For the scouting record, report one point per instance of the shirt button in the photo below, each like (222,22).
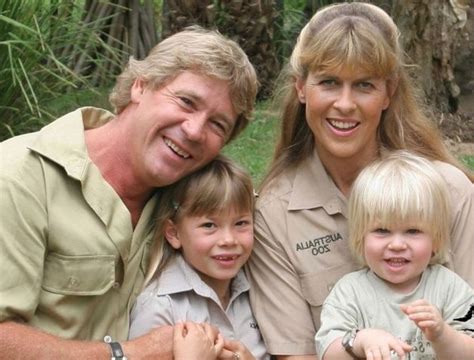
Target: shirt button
(116,285)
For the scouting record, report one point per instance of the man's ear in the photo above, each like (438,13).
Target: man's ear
(137,90)
(171,234)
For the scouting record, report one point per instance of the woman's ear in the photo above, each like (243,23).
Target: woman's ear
(171,234)
(300,90)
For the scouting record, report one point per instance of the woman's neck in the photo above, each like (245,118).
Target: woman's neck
(344,171)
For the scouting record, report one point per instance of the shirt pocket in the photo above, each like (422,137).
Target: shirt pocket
(81,275)
(316,286)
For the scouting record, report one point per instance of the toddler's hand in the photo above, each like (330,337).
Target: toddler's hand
(377,344)
(426,316)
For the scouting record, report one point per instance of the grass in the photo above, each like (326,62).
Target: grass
(253,149)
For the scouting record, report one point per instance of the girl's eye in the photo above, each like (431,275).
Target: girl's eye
(414,231)
(381,231)
(208,225)
(242,223)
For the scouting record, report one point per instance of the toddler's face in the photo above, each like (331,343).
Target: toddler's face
(398,254)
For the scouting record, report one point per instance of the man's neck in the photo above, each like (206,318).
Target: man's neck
(106,151)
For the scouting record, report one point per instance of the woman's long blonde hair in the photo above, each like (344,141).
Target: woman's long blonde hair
(358,36)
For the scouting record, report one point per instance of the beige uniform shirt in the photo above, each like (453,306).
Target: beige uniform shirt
(301,250)
(180,295)
(71,263)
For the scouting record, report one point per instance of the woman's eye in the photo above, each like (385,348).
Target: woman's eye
(365,85)
(328,82)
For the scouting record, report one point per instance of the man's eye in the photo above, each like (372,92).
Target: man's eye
(186,101)
(221,127)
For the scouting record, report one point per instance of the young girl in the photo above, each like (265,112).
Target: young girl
(206,220)
(403,304)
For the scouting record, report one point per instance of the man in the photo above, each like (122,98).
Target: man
(79,196)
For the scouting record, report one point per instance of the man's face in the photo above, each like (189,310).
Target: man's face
(178,128)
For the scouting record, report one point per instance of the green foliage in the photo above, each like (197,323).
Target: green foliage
(35,61)
(253,149)
(468,160)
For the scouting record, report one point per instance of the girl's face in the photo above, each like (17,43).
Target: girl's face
(343,110)
(217,245)
(398,254)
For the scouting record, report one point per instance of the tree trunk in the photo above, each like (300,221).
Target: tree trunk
(429,32)
(122,28)
(248,22)
(178,14)
(252,24)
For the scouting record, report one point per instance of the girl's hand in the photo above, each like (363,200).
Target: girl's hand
(427,317)
(378,344)
(235,350)
(193,341)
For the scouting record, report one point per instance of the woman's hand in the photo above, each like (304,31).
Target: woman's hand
(193,341)
(427,317)
(235,350)
(378,344)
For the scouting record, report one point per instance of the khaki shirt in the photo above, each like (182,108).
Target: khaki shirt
(180,295)
(301,250)
(71,263)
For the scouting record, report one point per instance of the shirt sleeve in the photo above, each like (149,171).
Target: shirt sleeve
(150,311)
(23,238)
(461,190)
(338,316)
(459,307)
(283,314)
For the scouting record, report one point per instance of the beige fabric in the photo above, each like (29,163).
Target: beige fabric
(180,295)
(74,263)
(301,250)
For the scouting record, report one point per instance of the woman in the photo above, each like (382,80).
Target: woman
(347,100)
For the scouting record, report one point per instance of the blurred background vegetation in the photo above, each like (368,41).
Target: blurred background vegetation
(57,55)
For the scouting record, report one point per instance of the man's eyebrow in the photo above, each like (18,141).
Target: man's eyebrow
(199,99)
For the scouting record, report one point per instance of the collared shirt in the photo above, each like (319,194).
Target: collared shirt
(71,263)
(301,250)
(180,295)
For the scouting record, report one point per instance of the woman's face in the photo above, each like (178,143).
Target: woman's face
(343,110)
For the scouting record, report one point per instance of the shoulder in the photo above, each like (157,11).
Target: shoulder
(456,180)
(277,191)
(444,277)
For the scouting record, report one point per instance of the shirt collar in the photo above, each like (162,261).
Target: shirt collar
(62,141)
(178,276)
(313,188)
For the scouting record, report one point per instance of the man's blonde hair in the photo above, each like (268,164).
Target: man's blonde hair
(400,188)
(206,52)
